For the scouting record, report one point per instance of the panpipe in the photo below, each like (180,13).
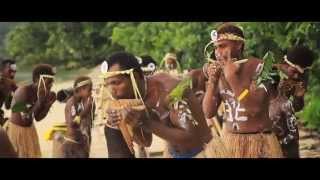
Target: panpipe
(126,130)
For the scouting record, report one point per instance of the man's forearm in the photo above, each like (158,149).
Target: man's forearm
(87,110)
(170,134)
(84,113)
(142,137)
(209,104)
(41,111)
(298,103)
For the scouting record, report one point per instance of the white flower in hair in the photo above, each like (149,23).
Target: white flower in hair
(152,66)
(104,67)
(139,59)
(214,35)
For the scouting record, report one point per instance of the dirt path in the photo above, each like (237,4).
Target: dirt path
(309,143)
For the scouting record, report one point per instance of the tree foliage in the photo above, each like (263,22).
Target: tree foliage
(61,43)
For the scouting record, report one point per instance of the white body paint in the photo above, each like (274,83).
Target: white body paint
(233,108)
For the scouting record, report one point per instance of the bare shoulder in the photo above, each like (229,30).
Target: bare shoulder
(253,66)
(163,75)
(21,93)
(164,80)
(6,149)
(22,89)
(253,61)
(195,72)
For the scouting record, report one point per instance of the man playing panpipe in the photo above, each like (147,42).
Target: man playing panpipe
(171,111)
(120,73)
(247,127)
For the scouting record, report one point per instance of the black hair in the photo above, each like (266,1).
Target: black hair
(301,56)
(125,60)
(230,28)
(5,62)
(42,69)
(80,79)
(147,60)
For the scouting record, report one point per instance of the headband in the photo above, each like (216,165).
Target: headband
(41,80)
(83,83)
(300,69)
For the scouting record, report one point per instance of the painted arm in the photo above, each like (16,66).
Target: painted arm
(291,123)
(182,119)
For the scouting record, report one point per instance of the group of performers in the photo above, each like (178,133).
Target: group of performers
(217,111)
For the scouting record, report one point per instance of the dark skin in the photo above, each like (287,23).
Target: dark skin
(7,72)
(236,78)
(182,136)
(282,115)
(82,94)
(7,86)
(39,107)
(5,96)
(298,91)
(198,82)
(142,151)
(6,148)
(121,88)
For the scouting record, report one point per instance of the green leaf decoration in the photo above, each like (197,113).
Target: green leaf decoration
(161,66)
(267,71)
(19,107)
(177,93)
